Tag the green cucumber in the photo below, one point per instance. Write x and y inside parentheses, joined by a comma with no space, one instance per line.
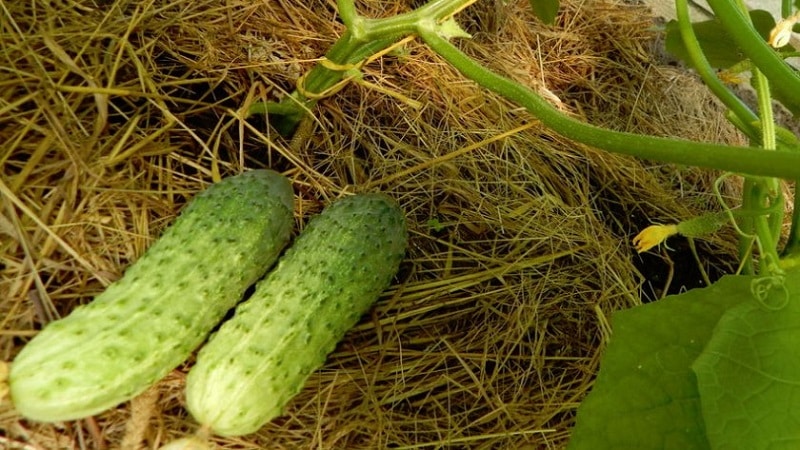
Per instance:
(259,359)
(150,320)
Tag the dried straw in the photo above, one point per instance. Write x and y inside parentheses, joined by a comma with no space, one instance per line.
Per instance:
(113,113)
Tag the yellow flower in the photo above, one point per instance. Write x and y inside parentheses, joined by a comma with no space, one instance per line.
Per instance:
(652,236)
(782,33)
(730,77)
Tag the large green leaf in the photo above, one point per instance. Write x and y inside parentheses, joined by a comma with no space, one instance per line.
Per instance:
(645,396)
(749,374)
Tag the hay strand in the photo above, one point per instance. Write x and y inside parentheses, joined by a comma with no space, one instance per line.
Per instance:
(113,114)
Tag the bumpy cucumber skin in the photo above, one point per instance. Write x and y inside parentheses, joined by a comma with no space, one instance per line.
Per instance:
(149,321)
(320,288)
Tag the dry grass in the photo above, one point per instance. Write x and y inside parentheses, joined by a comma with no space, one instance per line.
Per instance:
(113,113)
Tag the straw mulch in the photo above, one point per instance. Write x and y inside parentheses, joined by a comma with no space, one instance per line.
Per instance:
(114,113)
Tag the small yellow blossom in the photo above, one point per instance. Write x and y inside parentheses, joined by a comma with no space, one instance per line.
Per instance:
(782,33)
(652,236)
(731,77)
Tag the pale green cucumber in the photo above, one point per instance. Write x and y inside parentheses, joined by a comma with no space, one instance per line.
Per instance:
(260,358)
(149,321)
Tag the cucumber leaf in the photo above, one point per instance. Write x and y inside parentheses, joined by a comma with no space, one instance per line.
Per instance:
(645,395)
(545,10)
(749,374)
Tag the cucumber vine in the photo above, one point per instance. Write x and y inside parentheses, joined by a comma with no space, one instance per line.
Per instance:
(690,385)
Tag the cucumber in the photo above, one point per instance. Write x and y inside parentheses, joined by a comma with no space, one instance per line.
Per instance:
(320,288)
(150,320)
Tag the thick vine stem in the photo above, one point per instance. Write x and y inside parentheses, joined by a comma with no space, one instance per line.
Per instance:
(786,8)
(375,35)
(363,38)
(742,112)
(745,160)
(347,11)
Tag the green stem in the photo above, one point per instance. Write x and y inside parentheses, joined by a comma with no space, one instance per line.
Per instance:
(771,191)
(747,225)
(347,11)
(346,51)
(754,46)
(786,8)
(758,194)
(761,85)
(777,203)
(745,116)
(767,247)
(363,38)
(734,159)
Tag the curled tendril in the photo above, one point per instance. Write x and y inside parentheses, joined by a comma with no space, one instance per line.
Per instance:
(770,292)
(728,210)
